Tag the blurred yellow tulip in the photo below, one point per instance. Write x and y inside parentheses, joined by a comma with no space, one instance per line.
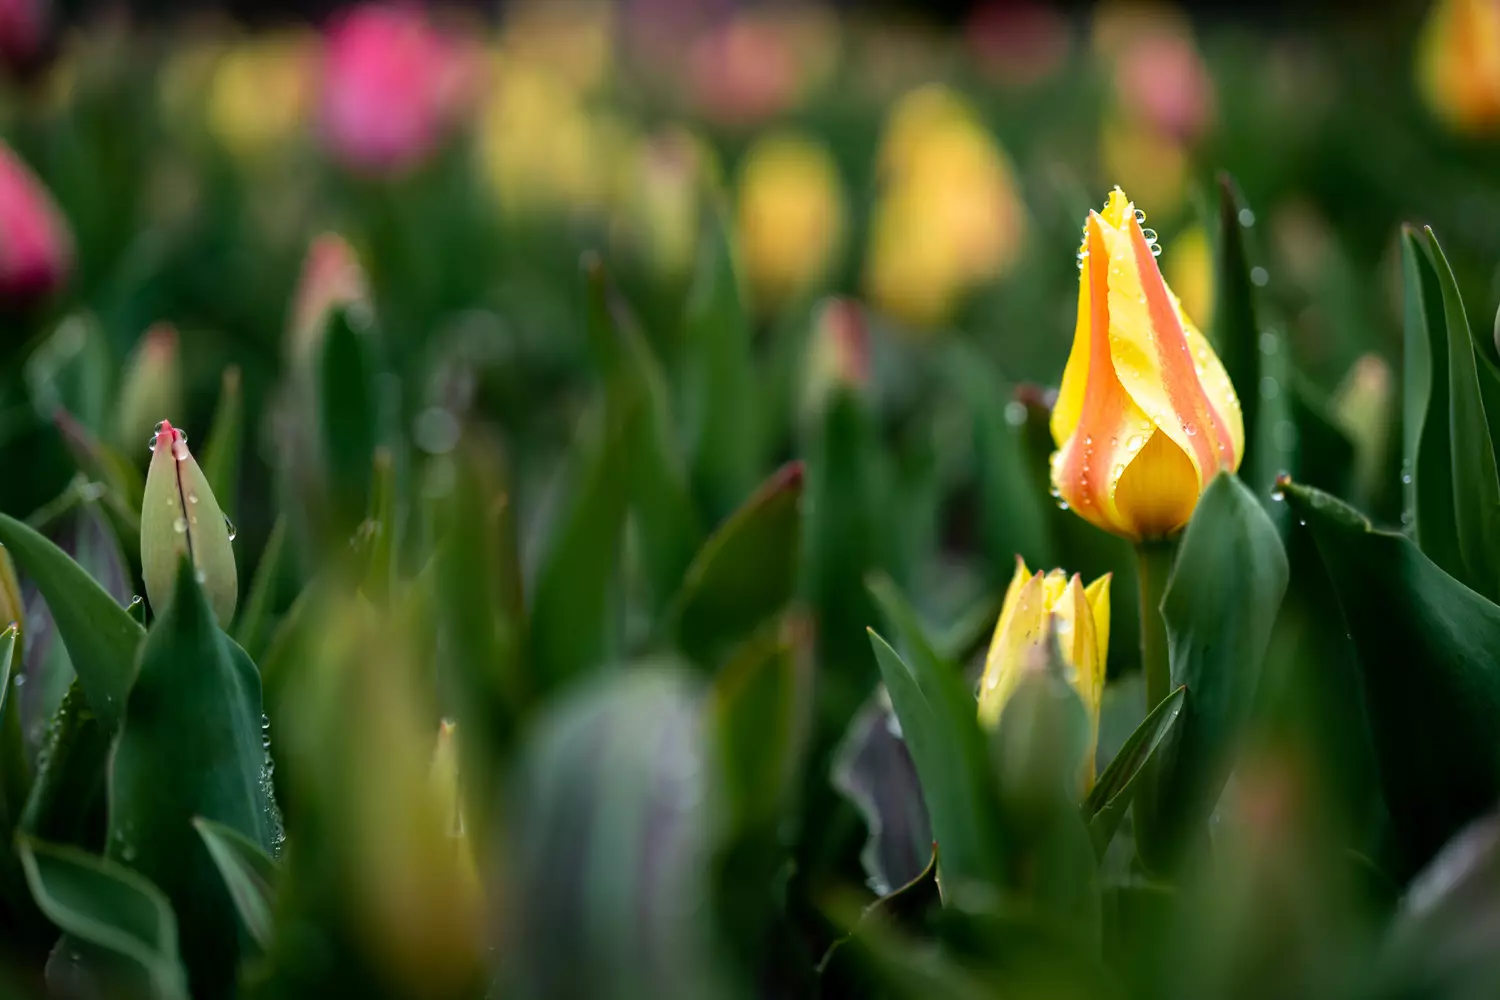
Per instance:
(1146,415)
(1077,615)
(260,94)
(948,216)
(791,215)
(1458,63)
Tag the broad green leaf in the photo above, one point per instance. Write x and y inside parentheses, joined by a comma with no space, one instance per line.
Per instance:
(1425,645)
(722,412)
(1236,327)
(1476,480)
(221,455)
(1105,806)
(100,636)
(348,417)
(15,776)
(610,826)
(638,396)
(255,613)
(746,571)
(939,719)
(249,875)
(70,772)
(113,909)
(190,746)
(1427,473)
(758,703)
(843,539)
(1012,516)
(1220,605)
(570,630)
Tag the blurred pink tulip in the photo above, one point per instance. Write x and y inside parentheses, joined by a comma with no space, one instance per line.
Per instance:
(24,25)
(36,248)
(1161,79)
(393,86)
(743,72)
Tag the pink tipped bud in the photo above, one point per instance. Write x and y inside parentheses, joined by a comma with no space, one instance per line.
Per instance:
(331,277)
(36,249)
(838,353)
(392,86)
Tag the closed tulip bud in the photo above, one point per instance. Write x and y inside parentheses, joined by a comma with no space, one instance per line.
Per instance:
(838,353)
(331,277)
(151,385)
(36,249)
(12,607)
(179,516)
(1079,618)
(1146,415)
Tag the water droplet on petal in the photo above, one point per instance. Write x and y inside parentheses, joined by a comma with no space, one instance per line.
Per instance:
(179,525)
(1247,217)
(192,498)
(229,526)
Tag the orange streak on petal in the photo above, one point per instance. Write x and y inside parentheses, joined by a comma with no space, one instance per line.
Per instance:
(1210,438)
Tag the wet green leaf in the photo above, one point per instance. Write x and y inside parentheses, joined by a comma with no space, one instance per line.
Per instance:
(114,910)
(100,636)
(190,746)
(1425,645)
(249,875)
(1105,806)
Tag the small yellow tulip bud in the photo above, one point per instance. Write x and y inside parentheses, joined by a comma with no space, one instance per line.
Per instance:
(1078,616)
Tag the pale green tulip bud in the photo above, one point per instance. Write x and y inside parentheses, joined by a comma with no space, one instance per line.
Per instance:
(179,516)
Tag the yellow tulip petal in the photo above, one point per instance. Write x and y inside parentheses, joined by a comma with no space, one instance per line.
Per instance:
(1157,492)
(1110,429)
(1098,597)
(1014,635)
(1084,654)
(1153,358)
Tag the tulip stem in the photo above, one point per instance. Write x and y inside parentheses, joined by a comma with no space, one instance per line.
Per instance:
(1153,569)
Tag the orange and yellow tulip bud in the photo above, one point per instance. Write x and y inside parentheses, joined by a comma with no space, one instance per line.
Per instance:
(1077,615)
(1458,63)
(1146,415)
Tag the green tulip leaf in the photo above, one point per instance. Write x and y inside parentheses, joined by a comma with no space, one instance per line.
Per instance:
(569,630)
(745,573)
(70,772)
(348,416)
(1427,455)
(1425,645)
(1105,806)
(1476,480)
(1220,605)
(100,636)
(123,917)
(221,455)
(249,875)
(638,397)
(255,614)
(722,413)
(939,719)
(191,746)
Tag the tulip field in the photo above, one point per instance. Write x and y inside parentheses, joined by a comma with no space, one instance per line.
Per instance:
(691,499)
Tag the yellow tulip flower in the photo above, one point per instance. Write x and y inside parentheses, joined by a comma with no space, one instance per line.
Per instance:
(1146,415)
(1458,63)
(1079,616)
(791,215)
